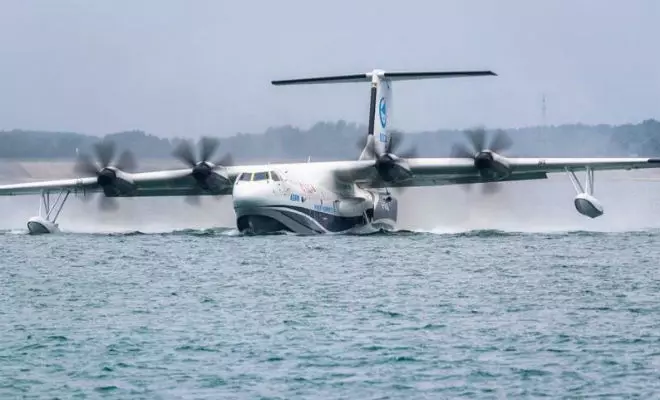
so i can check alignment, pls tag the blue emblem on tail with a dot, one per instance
(382, 111)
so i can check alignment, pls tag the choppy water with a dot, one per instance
(206, 314)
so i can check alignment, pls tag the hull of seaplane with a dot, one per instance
(276, 207)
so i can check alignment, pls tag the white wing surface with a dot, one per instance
(423, 172)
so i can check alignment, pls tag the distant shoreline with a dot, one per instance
(339, 140)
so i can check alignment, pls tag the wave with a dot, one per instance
(534, 232)
(464, 233)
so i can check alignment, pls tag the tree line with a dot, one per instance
(340, 140)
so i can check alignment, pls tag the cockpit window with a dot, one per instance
(260, 176)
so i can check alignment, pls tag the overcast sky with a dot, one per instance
(191, 68)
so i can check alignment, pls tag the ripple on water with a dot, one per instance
(212, 314)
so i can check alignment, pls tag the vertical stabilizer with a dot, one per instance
(380, 109)
(380, 101)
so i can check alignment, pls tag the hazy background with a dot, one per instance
(191, 68)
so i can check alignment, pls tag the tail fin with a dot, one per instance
(380, 103)
(380, 107)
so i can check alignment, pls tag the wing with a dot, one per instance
(156, 183)
(425, 172)
(455, 171)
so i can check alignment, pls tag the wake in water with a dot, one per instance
(231, 232)
(534, 231)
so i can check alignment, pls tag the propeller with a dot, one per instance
(388, 166)
(391, 147)
(105, 169)
(204, 166)
(486, 156)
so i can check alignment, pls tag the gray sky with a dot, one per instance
(191, 68)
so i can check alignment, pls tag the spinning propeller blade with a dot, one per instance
(204, 165)
(481, 153)
(393, 148)
(184, 153)
(104, 152)
(386, 167)
(108, 203)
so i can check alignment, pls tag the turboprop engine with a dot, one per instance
(109, 174)
(490, 165)
(210, 172)
(114, 182)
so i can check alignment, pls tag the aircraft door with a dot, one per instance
(279, 187)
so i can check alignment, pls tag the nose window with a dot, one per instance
(260, 176)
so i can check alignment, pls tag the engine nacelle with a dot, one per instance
(209, 178)
(500, 165)
(492, 165)
(588, 205)
(392, 168)
(218, 180)
(115, 182)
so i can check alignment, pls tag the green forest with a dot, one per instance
(339, 140)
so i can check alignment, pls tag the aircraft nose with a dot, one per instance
(252, 194)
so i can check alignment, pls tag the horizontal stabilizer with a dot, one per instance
(406, 76)
(325, 79)
(392, 76)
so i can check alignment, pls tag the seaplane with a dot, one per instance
(354, 196)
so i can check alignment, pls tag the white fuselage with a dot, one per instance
(281, 198)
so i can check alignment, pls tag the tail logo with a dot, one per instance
(382, 111)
